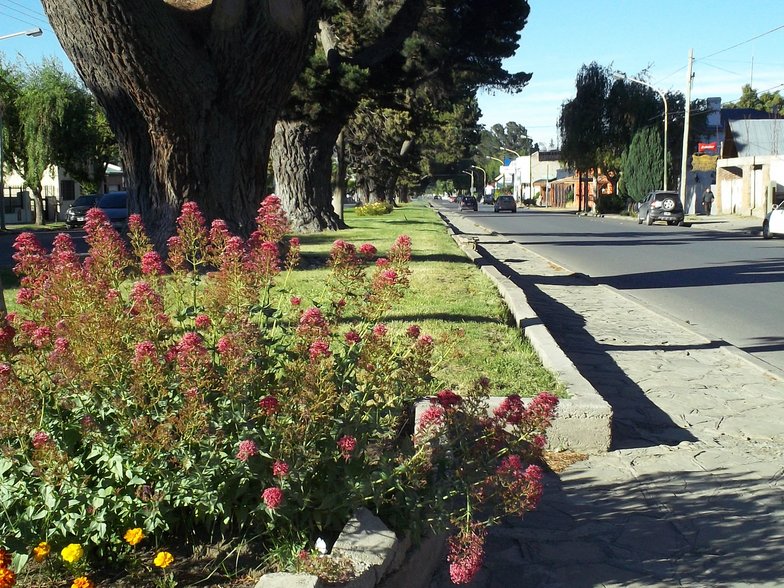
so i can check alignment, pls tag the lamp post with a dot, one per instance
(30, 33)
(470, 173)
(484, 176)
(664, 100)
(503, 175)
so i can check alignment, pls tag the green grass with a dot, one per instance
(449, 298)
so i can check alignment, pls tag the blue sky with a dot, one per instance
(734, 43)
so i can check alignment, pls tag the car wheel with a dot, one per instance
(766, 231)
(639, 220)
(648, 219)
(672, 223)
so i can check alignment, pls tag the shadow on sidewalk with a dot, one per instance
(674, 528)
(637, 422)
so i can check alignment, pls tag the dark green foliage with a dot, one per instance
(767, 101)
(641, 166)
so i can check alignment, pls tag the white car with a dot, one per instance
(773, 225)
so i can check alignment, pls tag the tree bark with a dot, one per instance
(302, 164)
(192, 91)
(38, 201)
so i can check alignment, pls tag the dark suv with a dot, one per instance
(115, 206)
(468, 202)
(661, 206)
(74, 216)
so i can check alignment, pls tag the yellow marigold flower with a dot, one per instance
(164, 559)
(7, 578)
(72, 553)
(5, 558)
(41, 551)
(82, 582)
(133, 536)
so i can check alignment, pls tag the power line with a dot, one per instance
(27, 22)
(773, 30)
(736, 45)
(22, 9)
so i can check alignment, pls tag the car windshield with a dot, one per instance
(505, 198)
(85, 201)
(119, 200)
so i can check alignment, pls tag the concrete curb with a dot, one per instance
(583, 422)
(378, 557)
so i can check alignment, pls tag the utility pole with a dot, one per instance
(684, 160)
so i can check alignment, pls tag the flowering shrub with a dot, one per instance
(151, 396)
(373, 209)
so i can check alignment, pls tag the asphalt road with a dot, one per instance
(45, 237)
(726, 286)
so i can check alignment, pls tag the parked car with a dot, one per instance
(468, 202)
(505, 202)
(74, 216)
(773, 225)
(115, 205)
(660, 206)
(488, 199)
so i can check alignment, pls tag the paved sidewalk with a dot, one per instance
(692, 491)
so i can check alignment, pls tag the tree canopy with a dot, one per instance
(51, 119)
(750, 98)
(641, 164)
(414, 57)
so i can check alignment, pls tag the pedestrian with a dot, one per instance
(707, 200)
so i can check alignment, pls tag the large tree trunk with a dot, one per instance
(192, 90)
(302, 164)
(38, 202)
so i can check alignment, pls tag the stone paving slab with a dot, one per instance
(691, 492)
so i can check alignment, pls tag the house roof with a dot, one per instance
(731, 114)
(758, 137)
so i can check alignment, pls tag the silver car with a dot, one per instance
(773, 225)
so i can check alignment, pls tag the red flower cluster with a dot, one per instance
(40, 439)
(511, 409)
(269, 405)
(433, 416)
(347, 444)
(246, 450)
(144, 350)
(280, 469)
(367, 250)
(272, 497)
(448, 399)
(466, 554)
(271, 220)
(352, 337)
(319, 348)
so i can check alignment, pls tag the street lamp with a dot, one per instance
(664, 99)
(470, 173)
(484, 175)
(30, 33)
(503, 175)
